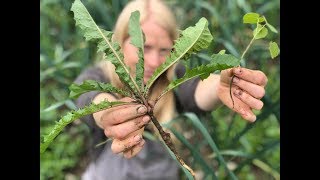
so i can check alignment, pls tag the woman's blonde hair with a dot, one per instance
(163, 16)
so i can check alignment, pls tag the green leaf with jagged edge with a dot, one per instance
(104, 38)
(70, 117)
(137, 39)
(260, 32)
(91, 85)
(274, 49)
(192, 40)
(218, 62)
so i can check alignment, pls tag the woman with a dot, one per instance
(129, 156)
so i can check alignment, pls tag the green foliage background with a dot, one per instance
(251, 151)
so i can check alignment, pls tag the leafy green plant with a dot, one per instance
(192, 40)
(259, 32)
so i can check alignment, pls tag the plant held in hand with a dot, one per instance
(192, 40)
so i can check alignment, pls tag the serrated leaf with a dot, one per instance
(46, 140)
(251, 18)
(273, 29)
(218, 62)
(137, 39)
(91, 85)
(104, 39)
(192, 40)
(274, 49)
(260, 32)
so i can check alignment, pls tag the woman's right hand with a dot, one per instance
(125, 125)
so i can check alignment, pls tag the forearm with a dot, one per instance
(206, 93)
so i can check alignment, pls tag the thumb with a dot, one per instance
(225, 75)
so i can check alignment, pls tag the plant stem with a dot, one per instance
(244, 52)
(167, 139)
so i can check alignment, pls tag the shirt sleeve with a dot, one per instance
(185, 93)
(92, 73)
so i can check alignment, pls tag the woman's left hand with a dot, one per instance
(247, 90)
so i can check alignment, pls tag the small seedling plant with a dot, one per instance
(191, 40)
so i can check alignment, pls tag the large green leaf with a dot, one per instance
(137, 39)
(70, 117)
(218, 62)
(192, 40)
(90, 85)
(104, 39)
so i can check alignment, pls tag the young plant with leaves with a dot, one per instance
(259, 32)
(192, 40)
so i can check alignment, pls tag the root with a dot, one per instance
(167, 139)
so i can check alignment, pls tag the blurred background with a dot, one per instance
(212, 141)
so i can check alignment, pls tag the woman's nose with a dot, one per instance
(152, 59)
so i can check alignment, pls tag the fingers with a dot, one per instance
(130, 146)
(120, 114)
(122, 130)
(124, 145)
(134, 150)
(243, 109)
(239, 103)
(253, 76)
(253, 89)
(247, 99)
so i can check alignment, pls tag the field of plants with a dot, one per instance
(248, 150)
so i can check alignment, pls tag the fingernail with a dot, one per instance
(254, 118)
(146, 119)
(142, 109)
(142, 142)
(137, 138)
(238, 71)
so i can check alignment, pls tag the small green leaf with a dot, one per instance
(274, 49)
(222, 52)
(251, 18)
(273, 29)
(260, 32)
(262, 19)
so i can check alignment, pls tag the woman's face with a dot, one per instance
(157, 46)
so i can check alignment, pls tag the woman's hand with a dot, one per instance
(247, 90)
(124, 124)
